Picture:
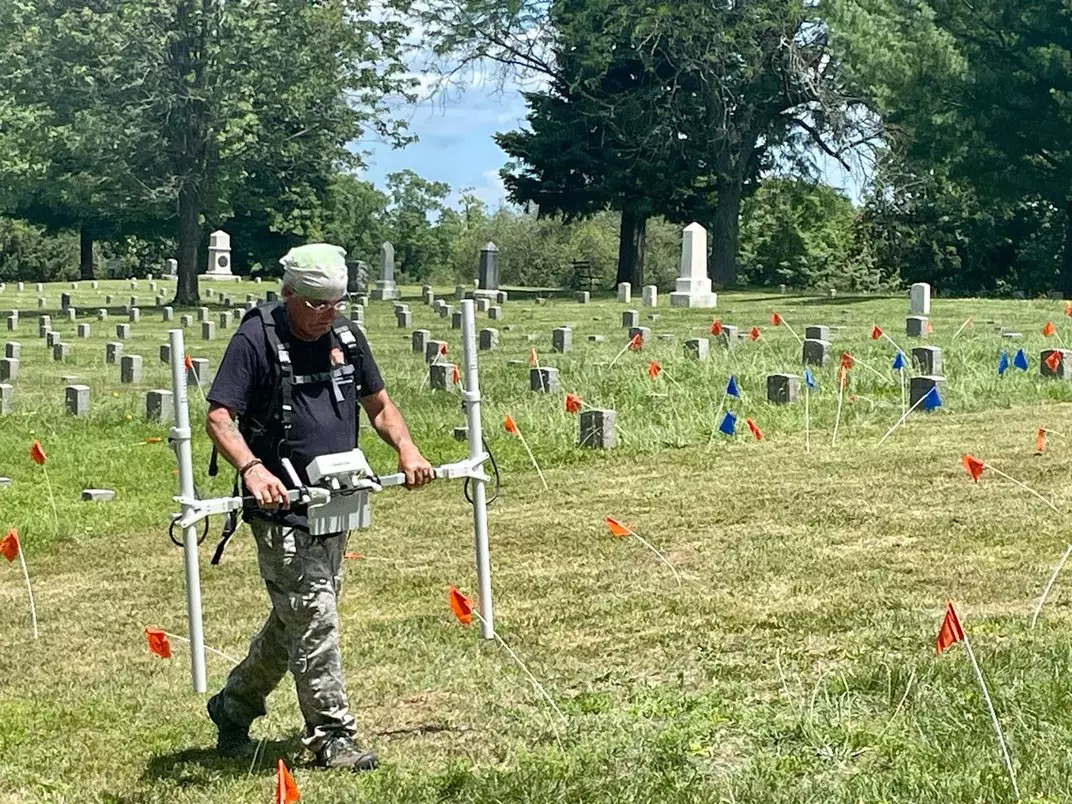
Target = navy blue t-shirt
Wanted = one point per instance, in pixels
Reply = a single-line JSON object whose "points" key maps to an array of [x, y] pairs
{"points": [[248, 382]]}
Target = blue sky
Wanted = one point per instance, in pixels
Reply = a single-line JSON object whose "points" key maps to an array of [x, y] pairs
{"points": [[455, 143]]}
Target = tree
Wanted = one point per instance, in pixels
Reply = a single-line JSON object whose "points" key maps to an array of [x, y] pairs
{"points": [[228, 110], [414, 204], [673, 108], [975, 95]]}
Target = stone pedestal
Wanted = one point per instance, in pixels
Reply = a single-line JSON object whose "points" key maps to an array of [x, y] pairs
{"points": [[817, 333]]}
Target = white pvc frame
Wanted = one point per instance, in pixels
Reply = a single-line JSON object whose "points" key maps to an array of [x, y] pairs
{"points": [[181, 437]]}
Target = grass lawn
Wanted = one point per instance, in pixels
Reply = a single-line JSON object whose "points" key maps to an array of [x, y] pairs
{"points": [[795, 662]]}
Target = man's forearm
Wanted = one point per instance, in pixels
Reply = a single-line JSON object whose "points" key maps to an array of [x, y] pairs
{"points": [[223, 430], [391, 427]]}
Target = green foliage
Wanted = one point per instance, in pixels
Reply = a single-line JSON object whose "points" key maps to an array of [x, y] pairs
{"points": [[27, 253], [802, 235]]}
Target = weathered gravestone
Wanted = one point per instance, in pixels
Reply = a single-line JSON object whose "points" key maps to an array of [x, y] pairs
{"points": [[77, 400], [597, 429], [544, 379], [783, 389]]}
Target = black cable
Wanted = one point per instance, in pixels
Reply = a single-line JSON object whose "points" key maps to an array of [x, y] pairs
{"points": [[171, 527], [498, 479]]}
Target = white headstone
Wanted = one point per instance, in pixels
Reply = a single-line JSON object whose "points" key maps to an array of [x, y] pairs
{"points": [[693, 288], [385, 285], [919, 299]]}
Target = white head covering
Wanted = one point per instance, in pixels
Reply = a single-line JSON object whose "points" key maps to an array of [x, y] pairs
{"points": [[316, 270]]}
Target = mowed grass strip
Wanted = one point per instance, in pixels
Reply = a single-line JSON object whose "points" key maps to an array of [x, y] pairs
{"points": [[795, 663]]}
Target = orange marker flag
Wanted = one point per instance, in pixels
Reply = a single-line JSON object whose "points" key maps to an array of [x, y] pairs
{"points": [[1049, 329], [1053, 362], [950, 633], [511, 427], [716, 327], [755, 430], [573, 403], [1040, 441], [9, 547], [847, 361], [286, 789], [534, 361], [460, 605], [455, 376], [618, 530], [876, 333], [775, 319], [930, 328], [187, 363], [443, 348], [973, 467], [37, 453], [1068, 308], [636, 343], [754, 334], [352, 556], [158, 643], [654, 369]]}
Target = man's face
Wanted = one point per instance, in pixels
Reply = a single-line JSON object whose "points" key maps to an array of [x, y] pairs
{"points": [[310, 318]]}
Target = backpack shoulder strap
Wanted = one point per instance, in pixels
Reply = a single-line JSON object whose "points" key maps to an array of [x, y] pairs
{"points": [[344, 331]]}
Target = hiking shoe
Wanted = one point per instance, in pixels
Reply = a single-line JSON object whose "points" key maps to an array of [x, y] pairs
{"points": [[233, 739], [344, 754]]}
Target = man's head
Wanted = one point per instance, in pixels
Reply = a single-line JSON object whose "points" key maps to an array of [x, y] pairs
{"points": [[314, 287]]}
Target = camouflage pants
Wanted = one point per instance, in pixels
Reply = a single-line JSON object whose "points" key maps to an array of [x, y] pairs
{"points": [[303, 574]]}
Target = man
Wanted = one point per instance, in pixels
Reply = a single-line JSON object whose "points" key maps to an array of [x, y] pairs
{"points": [[292, 375]]}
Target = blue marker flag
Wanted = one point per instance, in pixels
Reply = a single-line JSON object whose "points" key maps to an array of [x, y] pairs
{"points": [[932, 400], [731, 389], [1020, 361], [809, 379], [1003, 363], [899, 361], [729, 424]]}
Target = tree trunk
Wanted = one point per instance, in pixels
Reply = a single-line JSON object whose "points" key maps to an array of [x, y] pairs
{"points": [[186, 292], [725, 233], [632, 238], [1065, 279], [85, 253]]}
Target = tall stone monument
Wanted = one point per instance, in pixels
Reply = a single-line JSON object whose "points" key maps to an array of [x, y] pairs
{"points": [[693, 288], [385, 285], [219, 258], [488, 277]]}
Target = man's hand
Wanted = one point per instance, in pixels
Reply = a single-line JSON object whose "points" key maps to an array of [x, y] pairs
{"points": [[415, 466], [267, 489]]}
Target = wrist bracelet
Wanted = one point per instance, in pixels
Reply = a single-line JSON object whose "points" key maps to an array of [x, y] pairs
{"points": [[250, 465]]}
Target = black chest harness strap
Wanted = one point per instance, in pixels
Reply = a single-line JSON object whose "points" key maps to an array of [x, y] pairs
{"points": [[281, 417]]}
